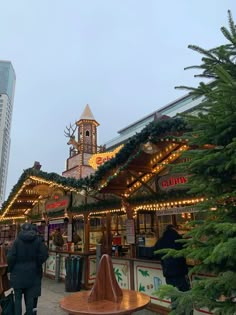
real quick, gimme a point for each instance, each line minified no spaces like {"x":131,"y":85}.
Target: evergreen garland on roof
{"x":154,"y":131}
{"x":67,"y":182}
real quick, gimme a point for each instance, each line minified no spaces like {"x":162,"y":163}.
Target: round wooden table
{"x":77,"y":303}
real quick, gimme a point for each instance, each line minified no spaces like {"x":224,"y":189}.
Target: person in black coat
{"x":25,"y":259}
{"x":175,"y":269}
{"x":35,"y":228}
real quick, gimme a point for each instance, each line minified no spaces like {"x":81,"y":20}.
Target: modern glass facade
{"x":7,"y":90}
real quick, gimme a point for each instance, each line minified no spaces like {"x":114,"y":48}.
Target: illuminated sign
{"x":57,"y":205}
{"x":169,"y":182}
{"x":176,"y":210}
{"x":99,"y":158}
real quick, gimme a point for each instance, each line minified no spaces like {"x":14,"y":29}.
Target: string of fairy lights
{"x":155,"y":163}
{"x":81,"y":124}
{"x":29,"y":192}
{"x":159,"y":161}
{"x":159,"y":167}
{"x":154,"y":207}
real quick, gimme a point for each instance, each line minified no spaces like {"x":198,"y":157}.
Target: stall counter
{"x":146,"y":276}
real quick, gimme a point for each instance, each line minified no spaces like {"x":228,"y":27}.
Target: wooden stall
{"x":125,"y":206}
{"x":46,"y":199}
{"x":147,"y":196}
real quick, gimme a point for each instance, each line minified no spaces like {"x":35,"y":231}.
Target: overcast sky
{"x":123,"y":58}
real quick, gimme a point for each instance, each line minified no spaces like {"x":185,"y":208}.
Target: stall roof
{"x":144,"y":156}
{"x":126,"y":179}
{"x":29,"y":189}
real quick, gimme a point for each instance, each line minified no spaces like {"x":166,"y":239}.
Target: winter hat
{"x":26,"y":227}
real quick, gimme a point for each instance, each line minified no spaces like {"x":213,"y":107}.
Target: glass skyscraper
{"x":7,"y":90}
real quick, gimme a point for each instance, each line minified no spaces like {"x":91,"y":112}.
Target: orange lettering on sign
{"x":99,"y":158}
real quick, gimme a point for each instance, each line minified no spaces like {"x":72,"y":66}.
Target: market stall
{"x":151,"y":196}
{"x":125,"y":206}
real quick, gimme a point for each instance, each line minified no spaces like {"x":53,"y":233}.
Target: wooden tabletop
{"x":77,"y":303}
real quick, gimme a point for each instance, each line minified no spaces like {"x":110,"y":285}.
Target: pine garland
{"x":154,"y":131}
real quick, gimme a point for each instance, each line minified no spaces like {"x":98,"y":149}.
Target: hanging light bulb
{"x":149,"y":147}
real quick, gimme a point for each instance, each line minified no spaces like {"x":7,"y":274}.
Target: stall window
{"x":163,"y":221}
{"x":62,"y":227}
{"x":96,"y":225}
{"x":145,"y":223}
{"x":118,"y":229}
{"x":78,"y":234}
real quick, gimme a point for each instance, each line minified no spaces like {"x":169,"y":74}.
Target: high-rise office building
{"x":7,"y":89}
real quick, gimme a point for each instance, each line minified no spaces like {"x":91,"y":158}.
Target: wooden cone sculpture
{"x":105,"y":286}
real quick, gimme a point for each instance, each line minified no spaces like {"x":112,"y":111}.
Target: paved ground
{"x":52,"y":293}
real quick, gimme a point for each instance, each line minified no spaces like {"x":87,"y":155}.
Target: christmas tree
{"x":212,"y":167}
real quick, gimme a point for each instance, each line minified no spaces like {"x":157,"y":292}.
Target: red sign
{"x":172,"y":182}
{"x":56,"y":205}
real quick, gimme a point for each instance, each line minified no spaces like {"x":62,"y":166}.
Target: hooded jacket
{"x":25,"y":259}
{"x":172,"y":266}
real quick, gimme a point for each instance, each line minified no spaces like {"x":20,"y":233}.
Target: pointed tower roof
{"x":87,"y":115}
